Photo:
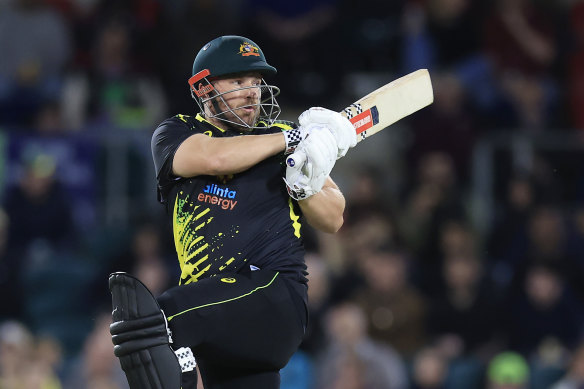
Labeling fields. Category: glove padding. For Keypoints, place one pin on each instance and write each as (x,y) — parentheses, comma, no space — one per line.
(310,165)
(341,128)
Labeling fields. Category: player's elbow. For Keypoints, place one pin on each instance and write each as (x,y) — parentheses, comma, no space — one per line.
(337,224)
(215,165)
(329,225)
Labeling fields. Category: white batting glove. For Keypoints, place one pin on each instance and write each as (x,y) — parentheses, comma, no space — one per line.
(341,128)
(297,180)
(310,165)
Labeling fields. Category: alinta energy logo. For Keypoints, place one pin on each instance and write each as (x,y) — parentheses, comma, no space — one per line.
(220,196)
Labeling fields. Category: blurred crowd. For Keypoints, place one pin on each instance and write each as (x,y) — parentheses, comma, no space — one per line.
(414,291)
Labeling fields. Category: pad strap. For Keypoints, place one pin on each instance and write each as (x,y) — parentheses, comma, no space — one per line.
(186,359)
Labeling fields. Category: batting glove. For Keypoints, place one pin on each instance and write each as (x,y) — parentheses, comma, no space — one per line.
(341,128)
(297,180)
(310,165)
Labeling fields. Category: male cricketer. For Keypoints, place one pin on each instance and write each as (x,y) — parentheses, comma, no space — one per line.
(239,311)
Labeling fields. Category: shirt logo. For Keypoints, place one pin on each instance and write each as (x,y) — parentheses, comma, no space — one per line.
(220,196)
(246,49)
(228,280)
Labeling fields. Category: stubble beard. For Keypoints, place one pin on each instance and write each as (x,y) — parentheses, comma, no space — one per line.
(237,117)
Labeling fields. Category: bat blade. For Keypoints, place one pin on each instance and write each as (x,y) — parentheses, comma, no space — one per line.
(387,105)
(390,103)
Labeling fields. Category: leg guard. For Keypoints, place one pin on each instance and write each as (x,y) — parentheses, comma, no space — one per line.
(141,337)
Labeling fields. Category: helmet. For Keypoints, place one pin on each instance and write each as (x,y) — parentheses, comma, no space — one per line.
(228,55)
(231,54)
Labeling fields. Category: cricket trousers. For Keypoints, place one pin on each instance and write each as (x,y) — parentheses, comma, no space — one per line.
(242,327)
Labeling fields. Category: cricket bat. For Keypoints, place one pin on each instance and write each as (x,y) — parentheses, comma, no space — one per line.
(388,104)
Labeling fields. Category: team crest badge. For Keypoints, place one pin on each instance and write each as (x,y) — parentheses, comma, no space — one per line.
(246,49)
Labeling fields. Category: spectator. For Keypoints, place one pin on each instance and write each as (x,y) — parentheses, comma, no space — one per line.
(97,364)
(38,206)
(574,376)
(543,314)
(10,273)
(509,227)
(21,362)
(319,295)
(49,118)
(145,256)
(394,308)
(445,37)
(576,236)
(352,373)
(16,345)
(352,360)
(575,79)
(367,194)
(35,49)
(433,199)
(429,370)
(147,259)
(175,53)
(547,243)
(114,92)
(441,34)
(462,319)
(449,117)
(374,27)
(367,231)
(302,38)
(520,41)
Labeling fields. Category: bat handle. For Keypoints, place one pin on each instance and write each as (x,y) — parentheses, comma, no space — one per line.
(296,159)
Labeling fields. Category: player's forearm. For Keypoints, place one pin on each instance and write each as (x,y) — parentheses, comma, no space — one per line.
(203,155)
(324,210)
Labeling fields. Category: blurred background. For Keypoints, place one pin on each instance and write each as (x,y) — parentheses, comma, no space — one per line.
(461,261)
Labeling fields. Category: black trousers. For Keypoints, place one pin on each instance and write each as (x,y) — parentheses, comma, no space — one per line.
(242,328)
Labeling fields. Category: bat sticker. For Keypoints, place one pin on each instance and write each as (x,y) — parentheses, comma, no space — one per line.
(365,120)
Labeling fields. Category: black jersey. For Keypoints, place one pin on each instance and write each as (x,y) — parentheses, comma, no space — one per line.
(224,223)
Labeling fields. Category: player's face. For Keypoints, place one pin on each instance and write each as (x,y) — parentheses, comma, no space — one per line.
(243,102)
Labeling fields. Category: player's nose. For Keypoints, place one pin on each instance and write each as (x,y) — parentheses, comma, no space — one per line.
(252,91)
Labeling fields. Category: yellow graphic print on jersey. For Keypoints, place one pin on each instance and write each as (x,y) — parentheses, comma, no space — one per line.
(294,217)
(194,249)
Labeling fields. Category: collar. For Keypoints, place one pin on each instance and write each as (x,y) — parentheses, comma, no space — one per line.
(200,118)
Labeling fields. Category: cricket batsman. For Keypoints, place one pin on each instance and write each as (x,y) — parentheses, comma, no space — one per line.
(239,310)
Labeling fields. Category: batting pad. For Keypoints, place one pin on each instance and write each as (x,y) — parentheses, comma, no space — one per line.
(141,337)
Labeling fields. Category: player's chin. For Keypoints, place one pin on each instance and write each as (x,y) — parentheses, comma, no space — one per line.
(248,116)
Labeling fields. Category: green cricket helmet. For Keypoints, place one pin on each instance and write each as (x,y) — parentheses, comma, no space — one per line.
(226,56)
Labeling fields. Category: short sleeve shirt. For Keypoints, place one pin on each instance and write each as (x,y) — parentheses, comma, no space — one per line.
(225,223)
